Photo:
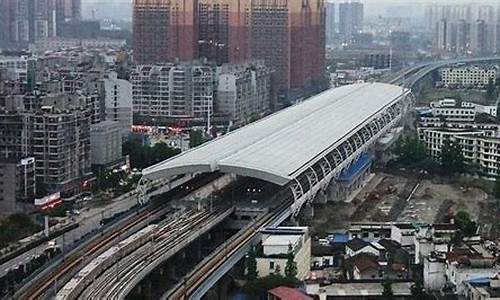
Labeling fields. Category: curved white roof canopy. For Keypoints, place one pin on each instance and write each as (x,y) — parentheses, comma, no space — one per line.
(281,146)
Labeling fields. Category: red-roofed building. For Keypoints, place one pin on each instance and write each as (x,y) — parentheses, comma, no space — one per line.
(286,293)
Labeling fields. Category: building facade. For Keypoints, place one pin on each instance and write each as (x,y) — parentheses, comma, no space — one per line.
(61,143)
(173,90)
(244,91)
(330,23)
(463,77)
(231,31)
(118,101)
(350,20)
(164,30)
(276,245)
(17,184)
(105,143)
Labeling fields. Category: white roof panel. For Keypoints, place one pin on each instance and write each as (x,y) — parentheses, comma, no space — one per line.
(279,147)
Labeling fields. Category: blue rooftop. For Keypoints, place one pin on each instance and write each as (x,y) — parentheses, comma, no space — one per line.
(340,238)
(480,280)
(356,168)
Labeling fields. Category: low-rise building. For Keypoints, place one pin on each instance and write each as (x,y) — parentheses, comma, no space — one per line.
(357,246)
(466,76)
(286,293)
(483,288)
(472,126)
(17,185)
(276,244)
(454,268)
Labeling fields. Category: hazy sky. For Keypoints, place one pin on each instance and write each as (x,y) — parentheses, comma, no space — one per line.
(374,8)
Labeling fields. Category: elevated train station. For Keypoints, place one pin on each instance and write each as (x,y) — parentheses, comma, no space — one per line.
(304,146)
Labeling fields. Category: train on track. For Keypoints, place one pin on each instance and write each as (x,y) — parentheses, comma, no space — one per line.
(98,265)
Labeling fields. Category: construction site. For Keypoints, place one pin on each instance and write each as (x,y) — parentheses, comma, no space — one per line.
(403,197)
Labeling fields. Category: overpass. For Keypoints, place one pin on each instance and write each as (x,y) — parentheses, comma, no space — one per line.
(410,76)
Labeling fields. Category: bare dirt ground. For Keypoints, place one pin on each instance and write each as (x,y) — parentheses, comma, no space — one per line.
(387,198)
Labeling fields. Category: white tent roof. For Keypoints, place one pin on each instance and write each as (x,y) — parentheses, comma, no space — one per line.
(280,147)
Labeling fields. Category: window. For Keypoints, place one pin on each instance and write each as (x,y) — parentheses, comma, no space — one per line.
(271,265)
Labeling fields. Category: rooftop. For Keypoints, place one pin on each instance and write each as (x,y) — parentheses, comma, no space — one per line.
(282,146)
(281,240)
(287,293)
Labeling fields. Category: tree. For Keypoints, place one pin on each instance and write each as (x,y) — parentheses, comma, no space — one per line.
(452,159)
(291,265)
(410,150)
(142,156)
(195,138)
(465,224)
(387,292)
(252,272)
(418,292)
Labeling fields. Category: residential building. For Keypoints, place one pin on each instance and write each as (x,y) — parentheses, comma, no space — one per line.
(483,288)
(223,30)
(118,101)
(370,231)
(105,143)
(350,19)
(244,91)
(463,77)
(277,243)
(472,126)
(463,29)
(451,110)
(330,23)
(358,290)
(434,274)
(17,185)
(15,134)
(174,21)
(357,246)
(173,90)
(5,22)
(465,264)
(365,266)
(16,67)
(61,143)
(456,267)
(434,238)
(233,31)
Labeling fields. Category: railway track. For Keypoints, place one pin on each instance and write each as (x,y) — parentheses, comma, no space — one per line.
(206,268)
(112,282)
(37,289)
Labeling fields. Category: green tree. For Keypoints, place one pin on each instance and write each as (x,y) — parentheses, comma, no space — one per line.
(251,260)
(410,150)
(387,286)
(291,265)
(451,159)
(465,224)
(142,156)
(195,138)
(418,292)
